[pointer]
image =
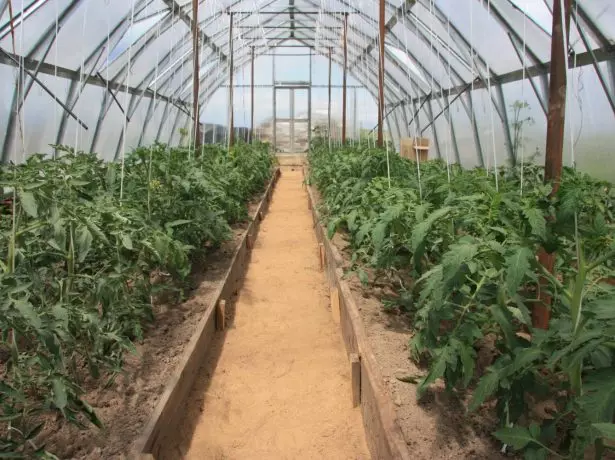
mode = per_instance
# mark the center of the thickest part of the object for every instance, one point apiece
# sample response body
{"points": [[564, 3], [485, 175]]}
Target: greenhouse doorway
{"points": [[292, 118]]}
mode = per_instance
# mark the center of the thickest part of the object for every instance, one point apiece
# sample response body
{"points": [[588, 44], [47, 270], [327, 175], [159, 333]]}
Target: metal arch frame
{"points": [[396, 63], [580, 20], [214, 85], [583, 22], [310, 38], [497, 102]]}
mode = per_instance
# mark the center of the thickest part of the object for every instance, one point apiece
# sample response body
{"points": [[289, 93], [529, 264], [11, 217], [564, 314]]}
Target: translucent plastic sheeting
{"points": [[602, 14], [433, 46]]}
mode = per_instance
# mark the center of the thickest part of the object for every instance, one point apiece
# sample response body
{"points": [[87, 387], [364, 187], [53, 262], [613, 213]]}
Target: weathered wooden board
{"points": [[384, 436], [165, 416]]}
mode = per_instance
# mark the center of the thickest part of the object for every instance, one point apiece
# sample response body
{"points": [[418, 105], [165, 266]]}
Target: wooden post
{"points": [[221, 315], [249, 242], [329, 106], [345, 78], [321, 255], [556, 118], [252, 96], [381, 77], [195, 77], [335, 305], [355, 372], [231, 134]]}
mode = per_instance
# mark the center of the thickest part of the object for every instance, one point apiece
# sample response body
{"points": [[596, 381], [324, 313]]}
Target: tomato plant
{"points": [[80, 267], [466, 252]]}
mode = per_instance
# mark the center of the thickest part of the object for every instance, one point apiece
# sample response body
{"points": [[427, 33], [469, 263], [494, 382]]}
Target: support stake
{"points": [[335, 305], [355, 372], [221, 315], [322, 256]]}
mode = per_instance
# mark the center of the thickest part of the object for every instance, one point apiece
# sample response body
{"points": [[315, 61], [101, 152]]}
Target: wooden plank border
{"points": [[181, 381], [384, 436]]}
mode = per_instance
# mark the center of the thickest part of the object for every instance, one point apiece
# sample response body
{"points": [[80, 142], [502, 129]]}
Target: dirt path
{"points": [[281, 384]]}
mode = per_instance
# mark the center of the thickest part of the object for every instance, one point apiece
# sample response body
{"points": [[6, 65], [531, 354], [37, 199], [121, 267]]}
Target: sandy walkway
{"points": [[281, 385]]}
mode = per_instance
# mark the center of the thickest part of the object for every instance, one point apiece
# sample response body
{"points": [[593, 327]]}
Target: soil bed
{"points": [[125, 406], [438, 427]]}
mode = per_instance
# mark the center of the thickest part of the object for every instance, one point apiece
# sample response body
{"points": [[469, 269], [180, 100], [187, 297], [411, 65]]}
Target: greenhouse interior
{"points": [[344, 229]]}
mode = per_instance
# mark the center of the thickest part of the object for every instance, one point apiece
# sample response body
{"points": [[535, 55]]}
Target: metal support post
{"points": [[231, 133], [381, 77], [329, 105], [345, 78], [252, 97], [309, 90], [274, 126], [195, 75]]}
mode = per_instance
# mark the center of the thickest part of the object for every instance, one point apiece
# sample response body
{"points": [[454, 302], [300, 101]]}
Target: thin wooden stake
{"points": [[321, 255], [221, 315], [249, 242], [355, 372], [335, 305]]}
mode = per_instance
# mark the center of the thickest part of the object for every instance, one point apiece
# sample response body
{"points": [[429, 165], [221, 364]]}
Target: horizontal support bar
{"points": [[292, 120], [269, 86], [580, 60], [74, 75], [257, 27], [293, 11]]}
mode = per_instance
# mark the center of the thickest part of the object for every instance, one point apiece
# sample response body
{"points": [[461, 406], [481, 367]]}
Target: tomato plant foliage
{"points": [[84, 250], [464, 253]]}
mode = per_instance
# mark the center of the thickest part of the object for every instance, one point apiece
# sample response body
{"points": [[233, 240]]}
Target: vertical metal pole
{"points": [[354, 115], [231, 134], [291, 123], [381, 77], [345, 78], [252, 97], [310, 104], [556, 118], [275, 102], [329, 106], [195, 74]]}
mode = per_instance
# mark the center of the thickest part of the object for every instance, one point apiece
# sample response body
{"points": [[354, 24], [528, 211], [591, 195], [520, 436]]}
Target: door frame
{"points": [[292, 119]]}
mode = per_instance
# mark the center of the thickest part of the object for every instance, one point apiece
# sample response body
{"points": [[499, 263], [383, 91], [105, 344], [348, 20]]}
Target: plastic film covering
{"points": [[469, 75]]}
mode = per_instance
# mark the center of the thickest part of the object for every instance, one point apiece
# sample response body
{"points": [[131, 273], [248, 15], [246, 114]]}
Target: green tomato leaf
{"points": [[126, 241], [84, 242], [60, 396], [28, 313], [606, 430], [517, 436], [517, 265], [487, 385], [28, 203]]}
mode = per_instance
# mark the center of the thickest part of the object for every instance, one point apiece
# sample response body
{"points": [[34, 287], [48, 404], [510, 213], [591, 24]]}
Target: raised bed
{"points": [[384, 436], [166, 414]]}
